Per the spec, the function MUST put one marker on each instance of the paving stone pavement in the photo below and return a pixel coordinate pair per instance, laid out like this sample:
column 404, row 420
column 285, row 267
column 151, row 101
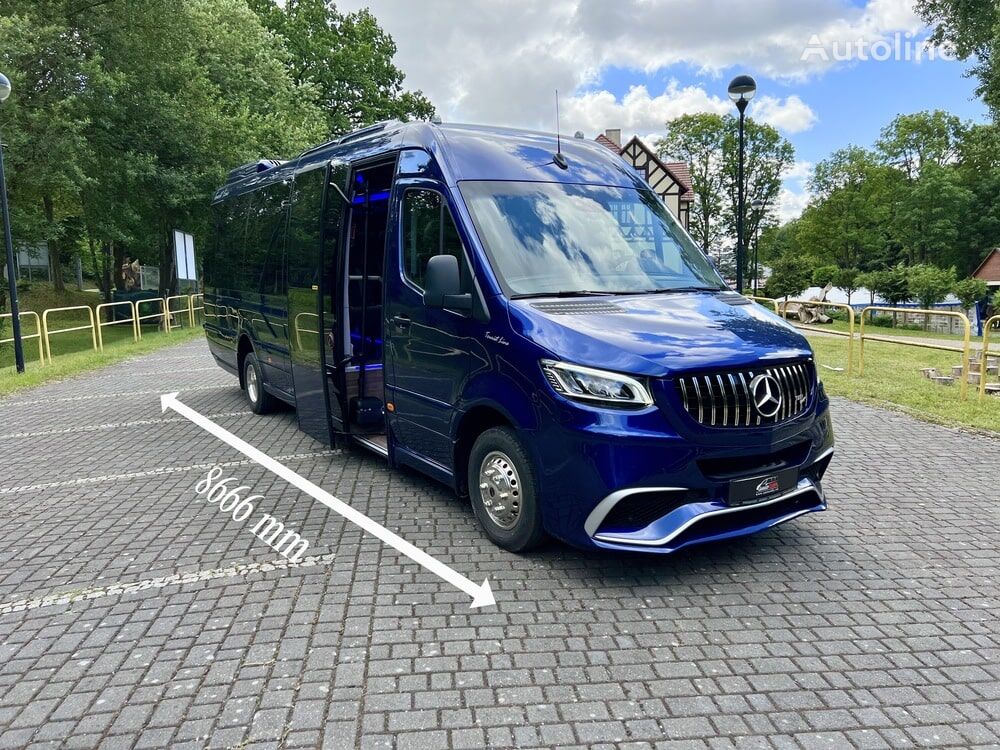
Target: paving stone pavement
column 133, row 614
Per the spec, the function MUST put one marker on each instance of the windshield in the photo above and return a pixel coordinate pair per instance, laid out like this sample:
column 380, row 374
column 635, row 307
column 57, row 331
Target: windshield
column 549, row 238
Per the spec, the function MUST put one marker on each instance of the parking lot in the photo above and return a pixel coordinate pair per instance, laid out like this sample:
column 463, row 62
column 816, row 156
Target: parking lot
column 134, row 614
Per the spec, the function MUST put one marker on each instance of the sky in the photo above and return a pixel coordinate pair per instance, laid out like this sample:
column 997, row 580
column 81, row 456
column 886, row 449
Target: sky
column 828, row 71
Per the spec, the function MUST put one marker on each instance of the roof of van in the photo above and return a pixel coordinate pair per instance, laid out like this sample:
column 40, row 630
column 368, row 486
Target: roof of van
column 463, row 152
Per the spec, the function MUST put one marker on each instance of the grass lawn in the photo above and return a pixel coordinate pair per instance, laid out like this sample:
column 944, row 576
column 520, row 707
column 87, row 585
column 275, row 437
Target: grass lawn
column 842, row 325
column 66, row 365
column 893, row 379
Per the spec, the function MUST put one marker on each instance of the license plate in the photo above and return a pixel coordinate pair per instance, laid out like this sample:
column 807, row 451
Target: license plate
column 758, row 489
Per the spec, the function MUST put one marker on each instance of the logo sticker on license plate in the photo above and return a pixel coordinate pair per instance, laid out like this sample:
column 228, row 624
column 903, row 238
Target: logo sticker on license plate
column 760, row 488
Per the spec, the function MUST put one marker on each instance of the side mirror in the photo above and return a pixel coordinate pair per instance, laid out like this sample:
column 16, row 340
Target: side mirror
column 443, row 284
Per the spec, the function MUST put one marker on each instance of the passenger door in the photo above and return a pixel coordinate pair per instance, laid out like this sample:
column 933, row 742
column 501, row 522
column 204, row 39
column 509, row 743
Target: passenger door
column 427, row 352
column 313, row 255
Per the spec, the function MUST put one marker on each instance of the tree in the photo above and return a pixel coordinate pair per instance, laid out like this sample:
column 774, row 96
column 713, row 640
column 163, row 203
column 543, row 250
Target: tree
column 929, row 285
column 128, row 116
column 789, row 277
column 972, row 30
column 847, row 280
column 346, row 59
column 709, row 143
column 868, row 280
column 768, row 156
column 912, row 142
column 845, row 222
column 932, row 215
column 970, row 291
column 824, row 275
column 44, row 124
column 697, row 140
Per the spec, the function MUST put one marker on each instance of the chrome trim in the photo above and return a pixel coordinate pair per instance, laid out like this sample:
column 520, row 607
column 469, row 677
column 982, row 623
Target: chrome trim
column 374, row 447
column 599, row 513
column 812, row 487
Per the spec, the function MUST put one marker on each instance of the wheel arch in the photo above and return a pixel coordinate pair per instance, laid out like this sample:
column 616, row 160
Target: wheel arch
column 243, row 348
column 474, row 422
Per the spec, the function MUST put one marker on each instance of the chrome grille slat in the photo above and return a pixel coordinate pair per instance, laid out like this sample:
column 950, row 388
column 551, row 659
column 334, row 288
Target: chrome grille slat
column 736, row 399
column 746, row 393
column 726, row 398
column 701, row 408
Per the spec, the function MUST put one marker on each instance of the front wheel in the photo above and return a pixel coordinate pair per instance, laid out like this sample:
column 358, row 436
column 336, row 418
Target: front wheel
column 504, row 491
column 253, row 380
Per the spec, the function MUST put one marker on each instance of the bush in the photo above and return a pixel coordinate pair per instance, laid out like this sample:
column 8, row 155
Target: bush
column 882, row 321
column 910, row 327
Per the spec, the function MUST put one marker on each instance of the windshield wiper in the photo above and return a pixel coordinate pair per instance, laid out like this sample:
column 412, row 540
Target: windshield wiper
column 567, row 293
column 684, row 289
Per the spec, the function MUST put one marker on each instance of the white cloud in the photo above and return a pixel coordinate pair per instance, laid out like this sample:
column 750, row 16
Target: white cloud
column 791, row 115
column 640, row 112
column 485, row 61
column 792, row 201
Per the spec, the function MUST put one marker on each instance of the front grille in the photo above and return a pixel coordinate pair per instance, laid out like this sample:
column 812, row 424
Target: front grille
column 764, row 395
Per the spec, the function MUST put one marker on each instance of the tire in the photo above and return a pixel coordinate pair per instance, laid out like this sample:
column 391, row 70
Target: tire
column 261, row 401
column 499, row 460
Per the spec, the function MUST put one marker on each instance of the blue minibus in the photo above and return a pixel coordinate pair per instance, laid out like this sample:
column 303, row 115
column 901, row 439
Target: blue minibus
column 522, row 319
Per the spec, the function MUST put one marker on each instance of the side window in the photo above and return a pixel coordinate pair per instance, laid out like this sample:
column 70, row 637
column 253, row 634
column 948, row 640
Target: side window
column 429, row 230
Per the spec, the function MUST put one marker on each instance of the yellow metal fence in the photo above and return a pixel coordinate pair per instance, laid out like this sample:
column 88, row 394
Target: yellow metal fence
column 168, row 312
column 25, row 336
column 964, row 385
column 985, row 358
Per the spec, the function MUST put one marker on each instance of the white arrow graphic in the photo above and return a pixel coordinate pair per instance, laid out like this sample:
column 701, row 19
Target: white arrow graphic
column 482, row 596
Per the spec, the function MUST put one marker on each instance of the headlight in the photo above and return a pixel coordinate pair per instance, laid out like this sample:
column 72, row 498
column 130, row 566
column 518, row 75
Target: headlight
column 601, row 386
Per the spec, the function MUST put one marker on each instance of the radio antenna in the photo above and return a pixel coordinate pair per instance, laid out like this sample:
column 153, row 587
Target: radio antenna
column 558, row 159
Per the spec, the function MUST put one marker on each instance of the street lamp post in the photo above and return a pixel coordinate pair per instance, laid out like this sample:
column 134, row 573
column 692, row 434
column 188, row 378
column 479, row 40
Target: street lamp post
column 15, row 312
column 758, row 206
column 741, row 91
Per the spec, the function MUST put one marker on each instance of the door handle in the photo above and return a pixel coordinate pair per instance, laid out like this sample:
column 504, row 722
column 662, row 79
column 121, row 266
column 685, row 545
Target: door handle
column 402, row 322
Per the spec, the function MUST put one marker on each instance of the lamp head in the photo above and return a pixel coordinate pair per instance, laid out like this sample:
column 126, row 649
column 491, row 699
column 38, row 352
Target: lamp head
column 742, row 90
column 4, row 88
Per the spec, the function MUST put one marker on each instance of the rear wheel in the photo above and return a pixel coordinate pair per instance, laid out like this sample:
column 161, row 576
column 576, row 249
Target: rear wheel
column 504, row 490
column 253, row 380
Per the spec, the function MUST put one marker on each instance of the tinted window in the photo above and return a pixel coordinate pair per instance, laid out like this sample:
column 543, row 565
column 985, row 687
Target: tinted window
column 428, row 230
column 547, row 237
column 227, row 253
column 265, row 240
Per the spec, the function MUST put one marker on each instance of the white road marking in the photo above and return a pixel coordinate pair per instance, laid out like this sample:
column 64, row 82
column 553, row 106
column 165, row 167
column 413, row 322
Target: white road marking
column 123, row 394
column 153, row 473
column 115, row 425
column 177, row 579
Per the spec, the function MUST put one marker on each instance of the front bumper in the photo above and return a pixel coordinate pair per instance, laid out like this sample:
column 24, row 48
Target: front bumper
column 633, row 485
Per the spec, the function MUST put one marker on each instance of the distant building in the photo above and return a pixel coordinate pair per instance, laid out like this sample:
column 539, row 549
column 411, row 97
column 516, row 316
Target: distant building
column 669, row 180
column 989, row 270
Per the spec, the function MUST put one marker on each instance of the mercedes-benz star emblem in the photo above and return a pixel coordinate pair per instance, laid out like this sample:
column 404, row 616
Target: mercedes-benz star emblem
column 766, row 395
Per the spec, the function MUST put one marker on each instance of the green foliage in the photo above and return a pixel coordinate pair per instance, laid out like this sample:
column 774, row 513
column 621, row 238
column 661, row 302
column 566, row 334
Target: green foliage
column 697, row 139
column 893, row 285
column 913, row 142
column 709, row 143
column 930, row 285
column 126, row 116
column 824, row 275
column 972, row 29
column 346, row 59
column 882, row 321
column 789, row 277
column 970, row 291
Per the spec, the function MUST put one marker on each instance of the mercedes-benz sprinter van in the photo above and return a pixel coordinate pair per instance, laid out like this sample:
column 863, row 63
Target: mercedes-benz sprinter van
column 523, row 320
